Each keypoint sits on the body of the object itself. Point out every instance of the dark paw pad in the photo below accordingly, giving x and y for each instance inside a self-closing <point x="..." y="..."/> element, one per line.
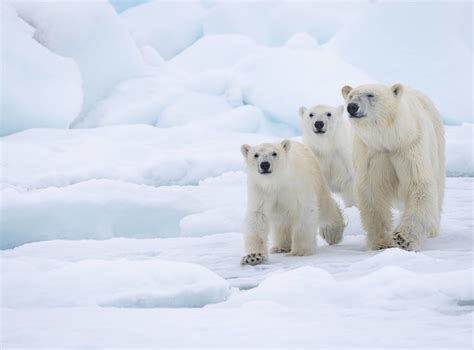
<point x="401" y="241"/>
<point x="253" y="259"/>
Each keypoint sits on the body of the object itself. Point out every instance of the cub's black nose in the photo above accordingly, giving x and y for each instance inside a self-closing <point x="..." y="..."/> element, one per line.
<point x="319" y="125"/>
<point x="265" y="166"/>
<point x="352" y="108"/>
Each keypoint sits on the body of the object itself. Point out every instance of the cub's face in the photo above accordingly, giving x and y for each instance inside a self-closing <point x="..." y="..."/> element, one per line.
<point x="320" y="120"/>
<point x="265" y="159"/>
<point x="371" y="102"/>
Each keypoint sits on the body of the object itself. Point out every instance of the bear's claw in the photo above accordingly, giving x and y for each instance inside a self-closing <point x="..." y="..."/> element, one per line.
<point x="253" y="259"/>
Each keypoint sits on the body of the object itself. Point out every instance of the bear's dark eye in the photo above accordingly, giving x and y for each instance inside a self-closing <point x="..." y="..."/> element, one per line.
<point x="370" y="96"/>
<point x="328" y="114"/>
<point x="256" y="155"/>
<point x="274" y="154"/>
<point x="311" y="115"/>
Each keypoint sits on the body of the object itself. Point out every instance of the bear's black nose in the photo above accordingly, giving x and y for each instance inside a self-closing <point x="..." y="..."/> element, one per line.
<point x="319" y="125"/>
<point x="265" y="166"/>
<point x="352" y="108"/>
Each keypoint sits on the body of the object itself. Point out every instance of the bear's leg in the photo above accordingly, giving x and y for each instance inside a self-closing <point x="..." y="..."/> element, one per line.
<point x="281" y="238"/>
<point x="420" y="218"/>
<point x="256" y="237"/>
<point x="376" y="183"/>
<point x="348" y="194"/>
<point x="331" y="222"/>
<point x="303" y="236"/>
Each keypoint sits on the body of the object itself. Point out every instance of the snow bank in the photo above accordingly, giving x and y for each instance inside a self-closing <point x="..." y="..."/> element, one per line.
<point x="104" y="209"/>
<point x="431" y="55"/>
<point x="131" y="284"/>
<point x="91" y="33"/>
<point x="213" y="52"/>
<point x="39" y="87"/>
<point x="310" y="286"/>
<point x="167" y="26"/>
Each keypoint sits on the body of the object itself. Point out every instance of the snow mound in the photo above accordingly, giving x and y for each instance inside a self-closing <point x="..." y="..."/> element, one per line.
<point x="311" y="286"/>
<point x="302" y="41"/>
<point x="152" y="283"/>
<point x="39" y="87"/>
<point x="168" y="26"/>
<point x="431" y="56"/>
<point x="305" y="77"/>
<point x="93" y="35"/>
<point x="192" y="107"/>
<point x="226" y="51"/>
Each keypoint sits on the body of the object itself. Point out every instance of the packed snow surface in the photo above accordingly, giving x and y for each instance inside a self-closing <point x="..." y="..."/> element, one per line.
<point x="127" y="292"/>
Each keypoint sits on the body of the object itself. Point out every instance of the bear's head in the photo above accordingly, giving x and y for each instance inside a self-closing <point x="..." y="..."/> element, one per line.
<point x="266" y="159"/>
<point x="320" y="120"/>
<point x="372" y="102"/>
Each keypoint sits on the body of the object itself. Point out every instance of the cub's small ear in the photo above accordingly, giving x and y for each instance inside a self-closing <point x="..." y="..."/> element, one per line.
<point x="397" y="90"/>
<point x="341" y="109"/>
<point x="245" y="150"/>
<point x="286" y="144"/>
<point x="302" y="111"/>
<point x="345" y="90"/>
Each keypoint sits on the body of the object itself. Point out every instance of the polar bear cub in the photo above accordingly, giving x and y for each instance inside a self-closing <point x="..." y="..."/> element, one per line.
<point x="328" y="134"/>
<point x="398" y="158"/>
<point x="287" y="196"/>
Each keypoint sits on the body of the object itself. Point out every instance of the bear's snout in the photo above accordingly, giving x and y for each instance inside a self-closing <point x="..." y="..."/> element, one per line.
<point x="265" y="166"/>
<point x="319" y="125"/>
<point x="352" y="109"/>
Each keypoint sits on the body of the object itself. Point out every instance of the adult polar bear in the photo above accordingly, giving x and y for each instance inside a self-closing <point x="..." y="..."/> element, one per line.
<point x="287" y="195"/>
<point x="398" y="157"/>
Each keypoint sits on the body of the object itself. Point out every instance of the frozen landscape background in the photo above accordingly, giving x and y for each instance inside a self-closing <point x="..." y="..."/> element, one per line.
<point x="122" y="183"/>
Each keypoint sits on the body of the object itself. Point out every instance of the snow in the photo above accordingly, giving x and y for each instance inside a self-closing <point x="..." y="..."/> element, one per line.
<point x="373" y="296"/>
<point x="93" y="35"/>
<point x="167" y="26"/>
<point x="125" y="231"/>
<point x="226" y="50"/>
<point x="33" y="73"/>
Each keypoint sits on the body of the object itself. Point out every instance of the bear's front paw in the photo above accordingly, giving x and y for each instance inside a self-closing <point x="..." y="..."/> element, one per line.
<point x="332" y="234"/>
<point x="276" y="250"/>
<point x="404" y="241"/>
<point x="253" y="259"/>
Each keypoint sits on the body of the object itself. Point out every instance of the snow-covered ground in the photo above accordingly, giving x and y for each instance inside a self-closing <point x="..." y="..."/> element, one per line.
<point x="192" y="292"/>
<point x="122" y="189"/>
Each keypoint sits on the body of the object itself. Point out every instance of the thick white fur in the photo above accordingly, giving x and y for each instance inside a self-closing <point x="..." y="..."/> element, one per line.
<point x="291" y="202"/>
<point x="398" y="159"/>
<point x="333" y="148"/>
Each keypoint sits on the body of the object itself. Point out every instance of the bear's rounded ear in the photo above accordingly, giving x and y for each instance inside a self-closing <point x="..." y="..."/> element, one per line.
<point x="302" y="111"/>
<point x="345" y="90"/>
<point x="245" y="150"/>
<point x="397" y="90"/>
<point x="286" y="144"/>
